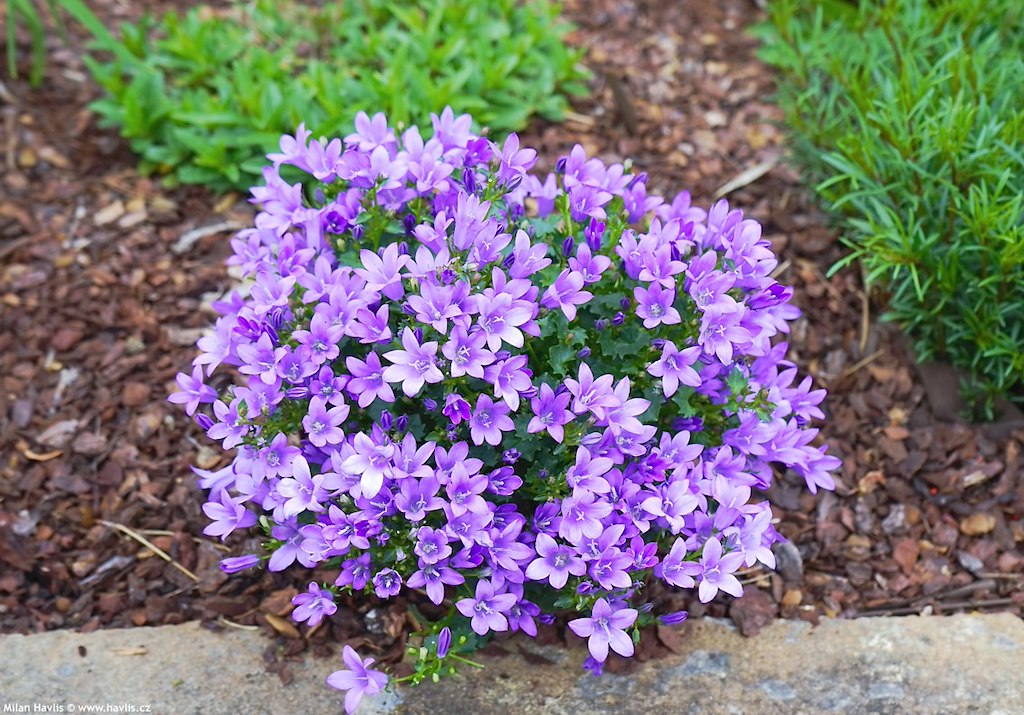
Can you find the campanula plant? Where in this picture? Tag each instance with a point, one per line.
(514, 395)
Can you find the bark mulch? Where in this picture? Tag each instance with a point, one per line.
(103, 278)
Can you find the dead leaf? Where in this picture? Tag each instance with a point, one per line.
(109, 214)
(978, 524)
(282, 625)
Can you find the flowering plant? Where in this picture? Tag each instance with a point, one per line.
(513, 395)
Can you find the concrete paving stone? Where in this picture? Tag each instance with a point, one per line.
(957, 665)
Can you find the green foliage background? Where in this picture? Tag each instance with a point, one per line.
(203, 97)
(909, 118)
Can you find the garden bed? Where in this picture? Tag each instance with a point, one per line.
(103, 280)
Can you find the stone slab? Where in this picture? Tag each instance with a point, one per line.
(918, 665)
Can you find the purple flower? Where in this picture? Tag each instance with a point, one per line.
(674, 367)
(716, 571)
(414, 365)
(487, 609)
(527, 259)
(467, 353)
(675, 570)
(654, 305)
(566, 293)
(227, 514)
(383, 273)
(456, 409)
(433, 578)
(551, 413)
(193, 391)
(435, 305)
(515, 162)
(554, 562)
(387, 583)
(322, 338)
(591, 395)
(301, 492)
(418, 496)
(431, 545)
(489, 420)
(358, 679)
(371, 461)
(509, 377)
(322, 425)
(581, 516)
(313, 606)
(367, 383)
(606, 628)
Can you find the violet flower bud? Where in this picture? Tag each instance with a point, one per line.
(297, 393)
(513, 183)
(444, 642)
(357, 232)
(509, 260)
(234, 564)
(448, 276)
(409, 223)
(594, 232)
(386, 421)
(318, 195)
(647, 607)
(204, 421)
(418, 332)
(560, 165)
(402, 423)
(600, 324)
(568, 246)
(469, 180)
(546, 618)
(542, 473)
(618, 319)
(516, 212)
(640, 178)
(625, 303)
(511, 456)
(671, 619)
(429, 404)
(583, 352)
(658, 343)
(403, 248)
(409, 310)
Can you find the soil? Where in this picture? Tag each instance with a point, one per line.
(104, 276)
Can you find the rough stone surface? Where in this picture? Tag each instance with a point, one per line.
(927, 665)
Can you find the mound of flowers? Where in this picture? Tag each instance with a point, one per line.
(515, 395)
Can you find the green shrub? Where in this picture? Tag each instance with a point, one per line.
(909, 117)
(208, 94)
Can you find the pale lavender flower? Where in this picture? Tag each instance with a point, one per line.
(717, 571)
(383, 273)
(674, 367)
(487, 610)
(414, 365)
(554, 562)
(606, 628)
(551, 413)
(387, 583)
(655, 306)
(371, 461)
(467, 353)
(193, 391)
(510, 378)
(367, 382)
(322, 425)
(489, 420)
(358, 680)
(566, 293)
(227, 514)
(311, 607)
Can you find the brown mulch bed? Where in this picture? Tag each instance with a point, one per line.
(101, 293)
